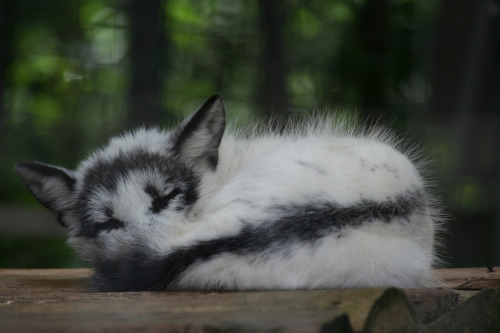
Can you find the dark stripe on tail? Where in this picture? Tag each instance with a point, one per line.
(306, 223)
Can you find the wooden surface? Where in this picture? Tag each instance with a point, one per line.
(470, 278)
(59, 300)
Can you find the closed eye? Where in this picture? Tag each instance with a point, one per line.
(93, 230)
(161, 202)
(109, 225)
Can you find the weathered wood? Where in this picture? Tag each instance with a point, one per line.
(33, 282)
(470, 278)
(77, 278)
(468, 282)
(60, 300)
(39, 300)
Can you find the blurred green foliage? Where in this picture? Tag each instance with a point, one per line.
(36, 252)
(69, 70)
(67, 78)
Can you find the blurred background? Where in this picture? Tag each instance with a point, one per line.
(74, 73)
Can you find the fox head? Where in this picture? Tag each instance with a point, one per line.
(137, 191)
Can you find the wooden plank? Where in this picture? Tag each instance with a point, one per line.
(478, 278)
(40, 300)
(60, 300)
(34, 282)
(76, 278)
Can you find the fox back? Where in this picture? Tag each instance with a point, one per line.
(199, 207)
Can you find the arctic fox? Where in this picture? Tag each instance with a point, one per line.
(319, 205)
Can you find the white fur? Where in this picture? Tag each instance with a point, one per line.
(263, 172)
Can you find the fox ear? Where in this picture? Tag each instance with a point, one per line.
(52, 186)
(198, 138)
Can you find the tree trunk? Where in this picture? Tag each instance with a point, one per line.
(374, 33)
(6, 44)
(147, 61)
(465, 83)
(272, 85)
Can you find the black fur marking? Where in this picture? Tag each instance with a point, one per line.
(60, 219)
(312, 166)
(47, 171)
(306, 223)
(95, 228)
(161, 202)
(152, 191)
(392, 170)
(106, 174)
(107, 226)
(134, 272)
(24, 169)
(214, 123)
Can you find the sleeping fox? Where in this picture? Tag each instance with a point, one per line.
(321, 204)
